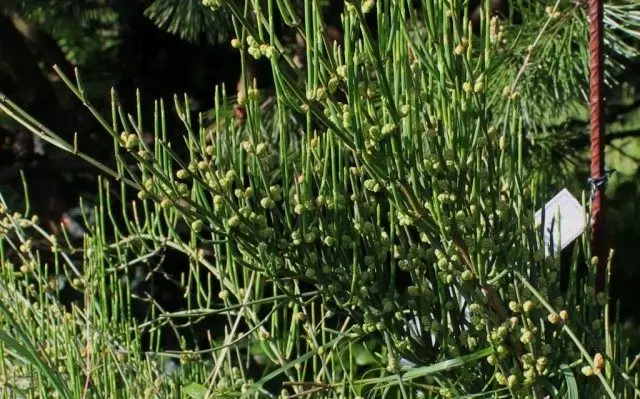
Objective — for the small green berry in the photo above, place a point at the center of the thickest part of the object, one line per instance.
(196, 226)
(527, 337)
(143, 195)
(528, 306)
(500, 378)
(367, 5)
(329, 241)
(503, 143)
(234, 221)
(183, 174)
(267, 203)
(261, 149)
(587, 371)
(132, 141)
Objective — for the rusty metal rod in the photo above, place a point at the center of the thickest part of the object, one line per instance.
(596, 108)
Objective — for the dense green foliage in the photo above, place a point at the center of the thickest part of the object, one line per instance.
(363, 229)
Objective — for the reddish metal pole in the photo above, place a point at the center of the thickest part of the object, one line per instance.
(596, 73)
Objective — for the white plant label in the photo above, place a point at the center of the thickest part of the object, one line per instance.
(570, 225)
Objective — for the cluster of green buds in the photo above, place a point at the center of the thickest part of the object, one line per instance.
(474, 87)
(534, 367)
(511, 381)
(213, 4)
(462, 47)
(597, 368)
(552, 12)
(129, 141)
(497, 32)
(258, 50)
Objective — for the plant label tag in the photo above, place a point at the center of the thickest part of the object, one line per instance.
(565, 220)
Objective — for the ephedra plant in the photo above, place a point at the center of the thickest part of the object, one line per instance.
(366, 231)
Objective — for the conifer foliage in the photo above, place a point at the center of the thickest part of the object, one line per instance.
(364, 228)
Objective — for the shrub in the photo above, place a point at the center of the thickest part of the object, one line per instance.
(368, 230)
